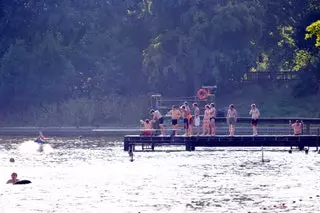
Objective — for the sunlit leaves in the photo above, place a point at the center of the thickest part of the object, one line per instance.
(313, 30)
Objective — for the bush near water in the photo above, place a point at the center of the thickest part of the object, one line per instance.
(96, 63)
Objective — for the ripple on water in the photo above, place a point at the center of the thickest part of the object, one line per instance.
(95, 175)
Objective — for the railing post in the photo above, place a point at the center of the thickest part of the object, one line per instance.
(308, 128)
(318, 133)
(126, 145)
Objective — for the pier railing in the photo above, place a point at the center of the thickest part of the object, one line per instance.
(266, 125)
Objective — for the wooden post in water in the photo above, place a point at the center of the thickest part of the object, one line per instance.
(190, 145)
(126, 145)
(318, 133)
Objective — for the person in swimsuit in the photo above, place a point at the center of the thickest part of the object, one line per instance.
(184, 114)
(232, 117)
(196, 117)
(297, 127)
(147, 131)
(13, 179)
(41, 139)
(189, 117)
(206, 120)
(175, 115)
(212, 119)
(157, 117)
(255, 114)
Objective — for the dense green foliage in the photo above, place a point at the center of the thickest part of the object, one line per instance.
(83, 62)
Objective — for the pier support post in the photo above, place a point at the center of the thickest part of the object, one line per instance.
(190, 146)
(126, 145)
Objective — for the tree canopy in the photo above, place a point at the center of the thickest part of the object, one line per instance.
(56, 52)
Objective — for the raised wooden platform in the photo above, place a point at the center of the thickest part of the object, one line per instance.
(190, 143)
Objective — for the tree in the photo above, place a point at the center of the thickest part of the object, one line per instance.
(313, 30)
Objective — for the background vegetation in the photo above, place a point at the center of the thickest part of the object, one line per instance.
(97, 62)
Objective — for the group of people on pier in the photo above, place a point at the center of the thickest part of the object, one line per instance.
(192, 120)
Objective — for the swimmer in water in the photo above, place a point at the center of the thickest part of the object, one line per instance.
(13, 179)
(41, 139)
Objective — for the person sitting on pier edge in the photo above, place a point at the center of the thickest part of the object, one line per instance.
(158, 117)
(196, 119)
(255, 114)
(297, 127)
(212, 119)
(147, 131)
(189, 117)
(232, 116)
(175, 115)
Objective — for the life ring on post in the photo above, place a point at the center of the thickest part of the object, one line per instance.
(203, 93)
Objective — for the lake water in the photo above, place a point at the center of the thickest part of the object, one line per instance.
(95, 175)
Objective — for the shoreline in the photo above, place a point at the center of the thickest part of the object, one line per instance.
(244, 125)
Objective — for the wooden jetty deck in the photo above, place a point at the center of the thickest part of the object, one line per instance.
(148, 143)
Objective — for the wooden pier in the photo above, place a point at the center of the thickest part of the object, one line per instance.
(149, 143)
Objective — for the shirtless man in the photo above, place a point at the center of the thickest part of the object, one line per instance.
(206, 120)
(297, 127)
(147, 127)
(196, 117)
(232, 117)
(189, 117)
(212, 119)
(255, 114)
(13, 179)
(158, 117)
(175, 115)
(184, 114)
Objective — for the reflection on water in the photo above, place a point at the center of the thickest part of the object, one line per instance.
(95, 175)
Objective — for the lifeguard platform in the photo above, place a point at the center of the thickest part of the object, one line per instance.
(164, 104)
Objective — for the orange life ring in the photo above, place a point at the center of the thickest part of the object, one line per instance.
(203, 94)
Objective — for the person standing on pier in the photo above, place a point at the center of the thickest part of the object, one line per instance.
(212, 119)
(196, 117)
(157, 117)
(175, 115)
(297, 127)
(189, 117)
(255, 114)
(206, 120)
(185, 119)
(232, 117)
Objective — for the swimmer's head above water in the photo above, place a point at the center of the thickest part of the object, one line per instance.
(13, 179)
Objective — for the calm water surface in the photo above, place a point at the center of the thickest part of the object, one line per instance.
(95, 175)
